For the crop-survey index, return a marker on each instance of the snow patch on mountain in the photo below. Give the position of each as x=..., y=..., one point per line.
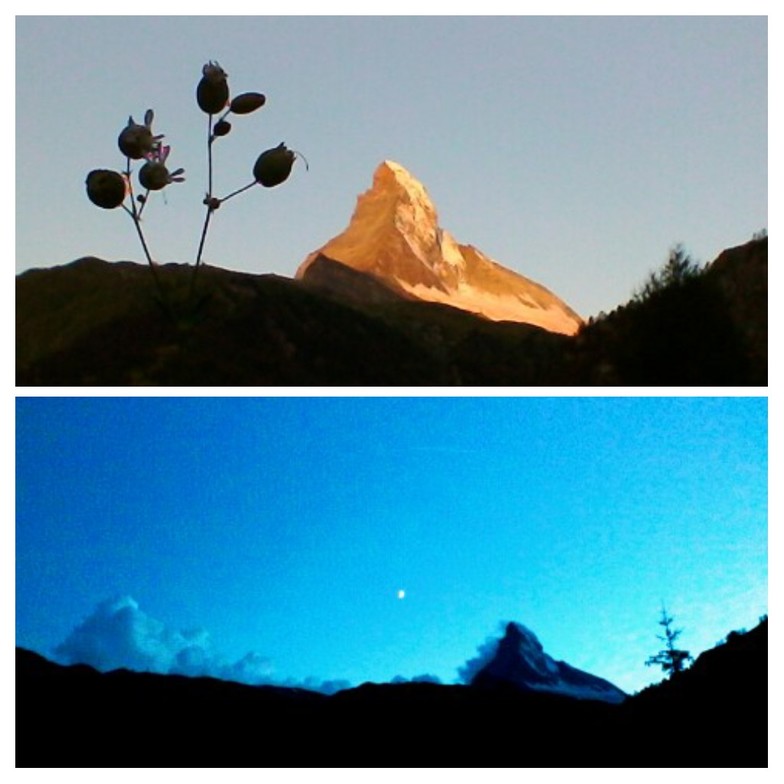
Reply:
x=502, y=307
x=450, y=250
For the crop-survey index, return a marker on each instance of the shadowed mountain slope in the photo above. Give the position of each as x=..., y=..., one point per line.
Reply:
x=96, y=323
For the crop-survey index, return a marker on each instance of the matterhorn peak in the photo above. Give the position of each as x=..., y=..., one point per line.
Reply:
x=518, y=660
x=397, y=179
x=394, y=236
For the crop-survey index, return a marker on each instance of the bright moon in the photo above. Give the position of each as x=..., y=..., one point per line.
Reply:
x=401, y=594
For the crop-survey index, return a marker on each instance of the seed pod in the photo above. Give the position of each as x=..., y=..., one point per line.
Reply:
x=221, y=128
x=136, y=140
x=106, y=188
x=212, y=97
x=247, y=103
x=273, y=166
x=154, y=176
x=212, y=92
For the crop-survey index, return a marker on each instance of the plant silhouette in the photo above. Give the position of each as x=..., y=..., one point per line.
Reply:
x=109, y=189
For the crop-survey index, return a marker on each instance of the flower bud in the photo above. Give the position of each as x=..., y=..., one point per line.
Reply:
x=212, y=92
x=106, y=188
x=213, y=72
x=273, y=166
x=154, y=176
x=247, y=103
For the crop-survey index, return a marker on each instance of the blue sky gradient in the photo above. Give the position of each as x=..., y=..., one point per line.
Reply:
x=575, y=150
x=286, y=526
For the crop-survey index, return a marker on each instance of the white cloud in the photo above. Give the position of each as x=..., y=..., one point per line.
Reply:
x=118, y=634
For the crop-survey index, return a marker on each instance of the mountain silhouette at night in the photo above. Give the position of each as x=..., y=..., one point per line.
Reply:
x=713, y=714
x=520, y=661
x=393, y=300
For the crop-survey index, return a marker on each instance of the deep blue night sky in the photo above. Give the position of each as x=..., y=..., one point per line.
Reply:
x=183, y=534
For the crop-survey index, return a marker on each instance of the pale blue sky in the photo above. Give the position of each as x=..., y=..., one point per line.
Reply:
x=573, y=150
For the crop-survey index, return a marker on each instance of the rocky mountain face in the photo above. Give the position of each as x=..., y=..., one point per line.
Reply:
x=395, y=238
x=520, y=661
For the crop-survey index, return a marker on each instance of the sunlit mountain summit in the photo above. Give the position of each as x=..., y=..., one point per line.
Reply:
x=519, y=660
x=394, y=237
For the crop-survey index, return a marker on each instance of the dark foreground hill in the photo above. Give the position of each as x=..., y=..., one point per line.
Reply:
x=713, y=715
x=102, y=324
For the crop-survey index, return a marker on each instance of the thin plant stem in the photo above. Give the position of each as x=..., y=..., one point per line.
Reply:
x=208, y=201
x=144, y=203
x=136, y=218
x=210, y=140
x=210, y=210
x=238, y=191
x=137, y=223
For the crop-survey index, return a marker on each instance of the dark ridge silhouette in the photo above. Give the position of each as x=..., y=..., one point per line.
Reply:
x=711, y=715
x=710, y=330
x=97, y=323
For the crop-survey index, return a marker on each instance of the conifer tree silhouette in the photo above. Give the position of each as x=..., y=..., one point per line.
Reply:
x=670, y=659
